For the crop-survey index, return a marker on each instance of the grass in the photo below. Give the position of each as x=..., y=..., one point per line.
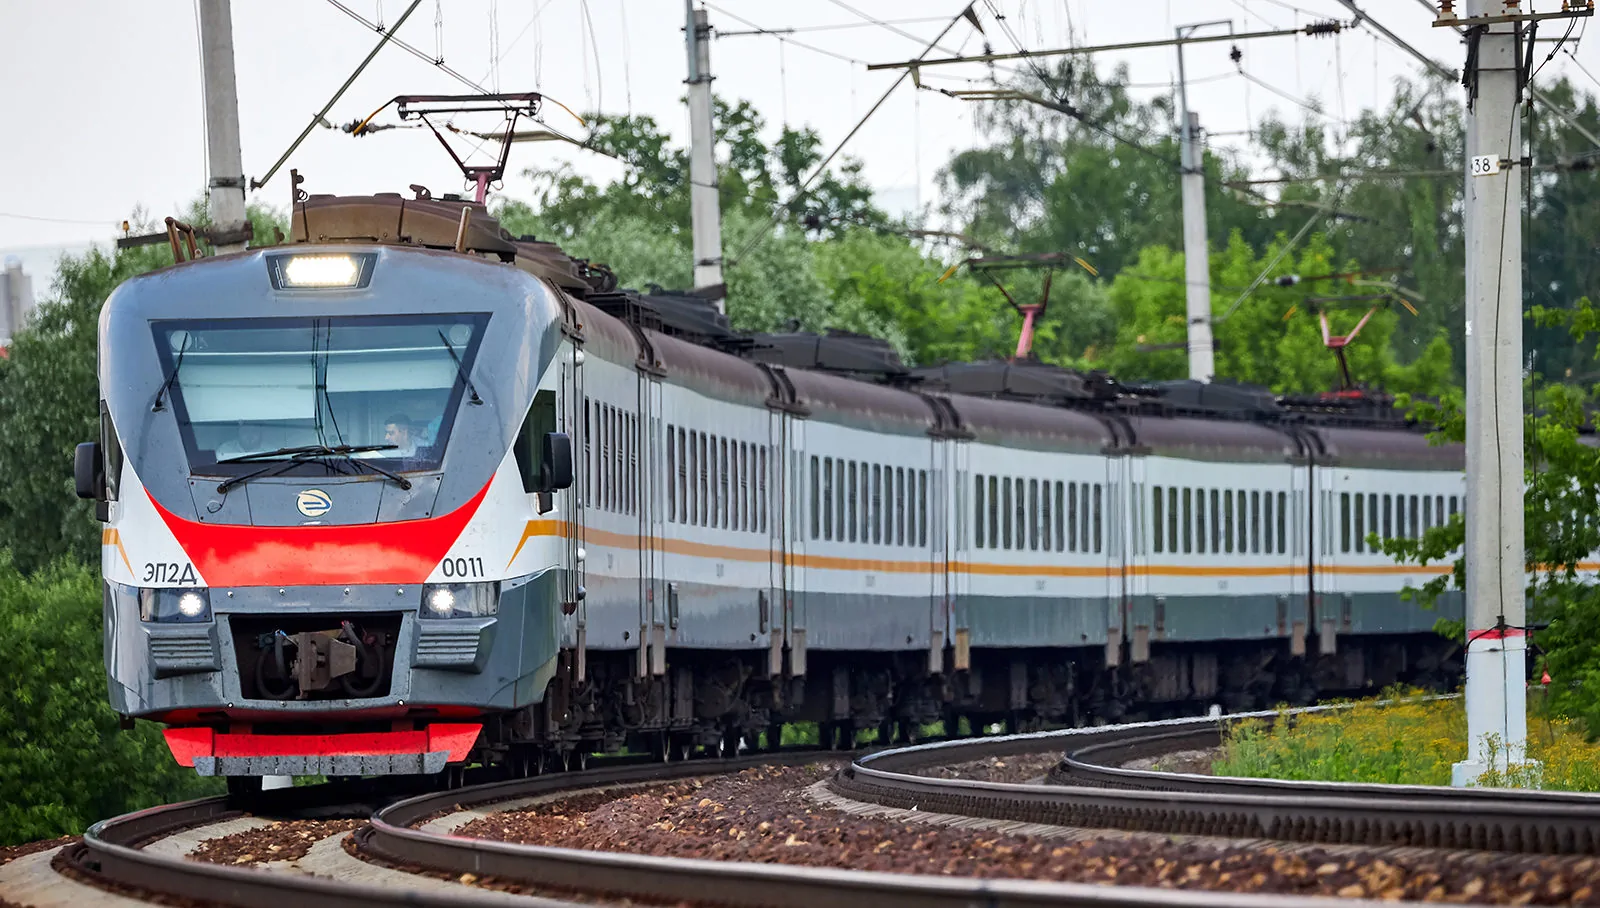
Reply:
x=1409, y=743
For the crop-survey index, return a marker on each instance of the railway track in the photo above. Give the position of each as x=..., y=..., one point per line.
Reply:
x=1090, y=789
x=112, y=853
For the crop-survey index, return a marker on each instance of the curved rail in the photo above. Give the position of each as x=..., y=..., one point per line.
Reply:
x=111, y=851
x=392, y=836
x=1088, y=792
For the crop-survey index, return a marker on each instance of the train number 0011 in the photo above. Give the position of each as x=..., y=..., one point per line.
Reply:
x=462, y=567
x=169, y=572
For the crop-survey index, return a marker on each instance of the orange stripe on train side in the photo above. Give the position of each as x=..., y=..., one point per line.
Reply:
x=110, y=536
x=536, y=528
x=1384, y=569
x=834, y=563
x=991, y=569
x=988, y=569
x=1190, y=570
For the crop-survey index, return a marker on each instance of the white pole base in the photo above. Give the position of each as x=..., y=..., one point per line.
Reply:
x=1465, y=774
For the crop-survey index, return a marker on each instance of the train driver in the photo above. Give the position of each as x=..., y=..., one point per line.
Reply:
x=246, y=440
x=397, y=432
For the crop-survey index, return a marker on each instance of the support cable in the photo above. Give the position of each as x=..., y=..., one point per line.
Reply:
x=257, y=184
x=762, y=232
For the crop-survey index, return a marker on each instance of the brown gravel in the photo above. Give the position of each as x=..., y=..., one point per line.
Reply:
x=1019, y=769
x=10, y=853
x=287, y=840
x=761, y=815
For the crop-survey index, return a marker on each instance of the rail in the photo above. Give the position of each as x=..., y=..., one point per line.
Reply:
x=1088, y=791
x=111, y=852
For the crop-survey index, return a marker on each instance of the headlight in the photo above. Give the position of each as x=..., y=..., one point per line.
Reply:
x=320, y=271
x=460, y=600
x=174, y=604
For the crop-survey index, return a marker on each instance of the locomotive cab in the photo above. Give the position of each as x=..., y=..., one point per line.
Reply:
x=331, y=478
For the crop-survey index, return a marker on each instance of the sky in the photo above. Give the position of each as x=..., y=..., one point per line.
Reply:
x=105, y=114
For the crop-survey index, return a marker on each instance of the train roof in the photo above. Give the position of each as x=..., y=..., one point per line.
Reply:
x=859, y=380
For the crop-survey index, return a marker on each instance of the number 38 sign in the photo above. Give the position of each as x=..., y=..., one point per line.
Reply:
x=1484, y=165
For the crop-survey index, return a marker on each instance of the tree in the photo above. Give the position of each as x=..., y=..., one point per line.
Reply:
x=48, y=399
x=1561, y=525
x=831, y=260
x=1103, y=185
x=63, y=762
x=1273, y=338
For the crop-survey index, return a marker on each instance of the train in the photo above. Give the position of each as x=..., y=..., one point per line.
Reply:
x=403, y=493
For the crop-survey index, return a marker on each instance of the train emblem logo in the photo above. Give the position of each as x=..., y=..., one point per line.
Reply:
x=314, y=502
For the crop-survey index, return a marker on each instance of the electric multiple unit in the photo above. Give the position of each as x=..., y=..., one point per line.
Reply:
x=372, y=505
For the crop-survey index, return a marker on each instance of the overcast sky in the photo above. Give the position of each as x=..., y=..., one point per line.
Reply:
x=102, y=99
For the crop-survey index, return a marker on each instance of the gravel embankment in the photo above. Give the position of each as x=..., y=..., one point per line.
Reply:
x=762, y=815
x=287, y=840
x=1020, y=769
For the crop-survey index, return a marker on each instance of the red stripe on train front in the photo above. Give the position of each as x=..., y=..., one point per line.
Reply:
x=401, y=552
x=455, y=740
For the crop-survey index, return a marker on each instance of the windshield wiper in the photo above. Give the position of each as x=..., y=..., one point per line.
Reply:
x=460, y=372
x=306, y=454
x=306, y=449
x=172, y=379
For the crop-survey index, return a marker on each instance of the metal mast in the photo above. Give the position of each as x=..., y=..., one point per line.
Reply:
x=705, y=214
x=1196, y=249
x=1496, y=640
x=229, y=228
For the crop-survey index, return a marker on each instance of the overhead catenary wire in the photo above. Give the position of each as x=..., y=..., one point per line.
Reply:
x=51, y=220
x=762, y=232
x=837, y=26
x=319, y=118
x=778, y=33
x=436, y=61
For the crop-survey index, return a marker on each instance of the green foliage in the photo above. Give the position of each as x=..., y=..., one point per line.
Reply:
x=63, y=762
x=1407, y=743
x=829, y=262
x=48, y=399
x=1561, y=524
x=1273, y=338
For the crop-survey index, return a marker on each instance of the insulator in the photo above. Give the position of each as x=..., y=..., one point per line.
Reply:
x=1330, y=27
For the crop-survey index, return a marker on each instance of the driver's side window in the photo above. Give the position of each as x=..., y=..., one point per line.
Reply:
x=541, y=420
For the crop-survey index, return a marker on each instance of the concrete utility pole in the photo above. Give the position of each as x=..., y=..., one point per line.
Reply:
x=705, y=213
x=222, y=126
x=1496, y=640
x=1196, y=249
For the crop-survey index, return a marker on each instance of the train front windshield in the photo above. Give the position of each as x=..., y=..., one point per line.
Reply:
x=249, y=388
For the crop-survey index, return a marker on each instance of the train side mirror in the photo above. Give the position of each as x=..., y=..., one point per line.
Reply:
x=87, y=474
x=555, y=465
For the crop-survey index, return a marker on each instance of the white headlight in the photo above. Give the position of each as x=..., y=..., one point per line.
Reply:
x=321, y=271
x=442, y=601
x=191, y=605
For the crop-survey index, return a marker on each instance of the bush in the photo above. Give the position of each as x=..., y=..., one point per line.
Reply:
x=1403, y=743
x=63, y=761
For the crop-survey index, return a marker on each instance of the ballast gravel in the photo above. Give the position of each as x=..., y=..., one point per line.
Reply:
x=1020, y=769
x=10, y=853
x=286, y=840
x=762, y=815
